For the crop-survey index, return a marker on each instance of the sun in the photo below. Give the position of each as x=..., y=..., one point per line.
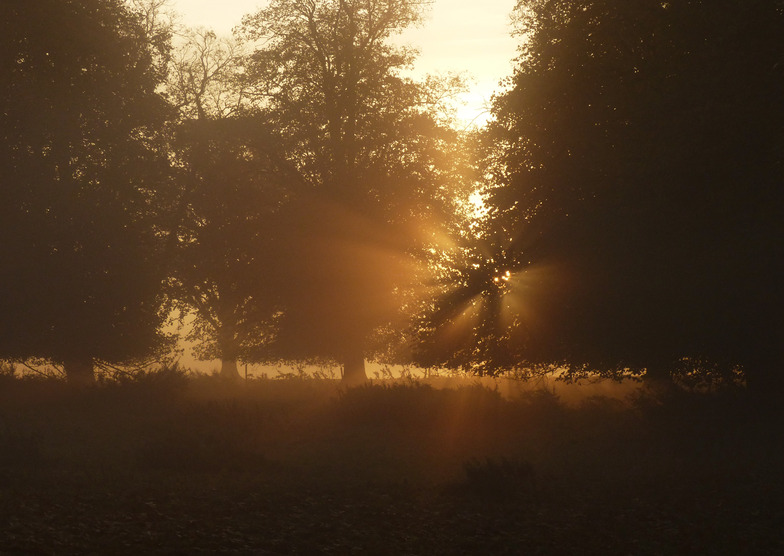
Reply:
x=503, y=278
x=473, y=108
x=472, y=39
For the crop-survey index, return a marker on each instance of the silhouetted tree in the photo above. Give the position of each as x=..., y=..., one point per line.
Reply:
x=229, y=182
x=203, y=79
x=370, y=144
x=467, y=325
x=232, y=182
x=159, y=24
x=637, y=165
x=80, y=166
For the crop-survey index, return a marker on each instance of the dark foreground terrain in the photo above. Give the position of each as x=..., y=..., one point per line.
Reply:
x=169, y=464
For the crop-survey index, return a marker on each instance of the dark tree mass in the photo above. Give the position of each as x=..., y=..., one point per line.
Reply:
x=79, y=168
x=233, y=181
x=637, y=189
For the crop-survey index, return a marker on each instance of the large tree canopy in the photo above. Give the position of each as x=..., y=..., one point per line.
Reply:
x=79, y=167
x=637, y=168
x=229, y=180
x=233, y=180
x=373, y=152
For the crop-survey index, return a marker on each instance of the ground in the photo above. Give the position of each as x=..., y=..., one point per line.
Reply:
x=169, y=464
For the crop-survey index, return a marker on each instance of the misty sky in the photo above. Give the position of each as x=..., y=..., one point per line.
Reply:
x=458, y=35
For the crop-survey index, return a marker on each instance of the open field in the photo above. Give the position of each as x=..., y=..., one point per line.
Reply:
x=171, y=464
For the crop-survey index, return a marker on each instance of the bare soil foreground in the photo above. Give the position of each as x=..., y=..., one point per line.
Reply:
x=171, y=464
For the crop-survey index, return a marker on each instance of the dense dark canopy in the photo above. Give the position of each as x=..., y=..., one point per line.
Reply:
x=638, y=166
x=233, y=179
x=79, y=168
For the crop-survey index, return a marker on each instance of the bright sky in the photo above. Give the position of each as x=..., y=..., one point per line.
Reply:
x=458, y=36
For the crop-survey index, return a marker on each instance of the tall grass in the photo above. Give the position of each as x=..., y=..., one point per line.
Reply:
x=466, y=457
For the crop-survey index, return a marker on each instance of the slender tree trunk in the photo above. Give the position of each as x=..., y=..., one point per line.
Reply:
x=229, y=369
x=79, y=372
x=227, y=345
x=354, y=368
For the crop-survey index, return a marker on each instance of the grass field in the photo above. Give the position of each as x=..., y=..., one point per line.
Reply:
x=176, y=464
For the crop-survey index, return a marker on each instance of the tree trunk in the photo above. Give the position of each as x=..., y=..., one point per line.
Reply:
x=354, y=368
x=229, y=369
x=79, y=372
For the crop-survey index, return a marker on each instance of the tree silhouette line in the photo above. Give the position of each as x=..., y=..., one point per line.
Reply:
x=303, y=200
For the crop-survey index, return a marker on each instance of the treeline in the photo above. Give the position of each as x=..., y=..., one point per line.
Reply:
x=302, y=199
